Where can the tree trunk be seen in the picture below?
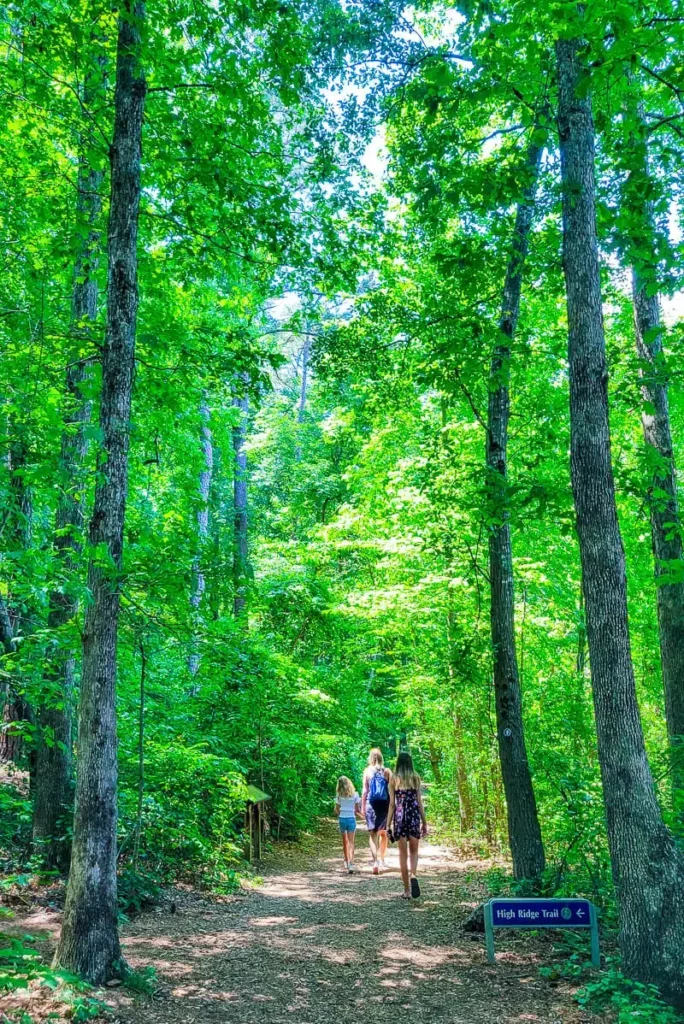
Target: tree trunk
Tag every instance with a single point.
(89, 943)
(198, 584)
(16, 709)
(524, 832)
(663, 504)
(465, 803)
(240, 540)
(6, 631)
(55, 720)
(483, 786)
(305, 379)
(647, 868)
(655, 418)
(141, 756)
(301, 408)
(433, 752)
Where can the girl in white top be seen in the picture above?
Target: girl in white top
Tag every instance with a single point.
(347, 806)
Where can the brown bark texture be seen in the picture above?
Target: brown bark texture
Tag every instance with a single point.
(524, 832)
(647, 867)
(15, 709)
(198, 582)
(655, 418)
(55, 719)
(89, 944)
(240, 538)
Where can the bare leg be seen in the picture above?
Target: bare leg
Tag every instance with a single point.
(403, 864)
(373, 845)
(383, 844)
(413, 848)
(352, 843)
(345, 846)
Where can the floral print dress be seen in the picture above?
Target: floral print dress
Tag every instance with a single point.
(407, 821)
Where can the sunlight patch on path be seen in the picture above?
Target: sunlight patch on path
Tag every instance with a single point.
(313, 944)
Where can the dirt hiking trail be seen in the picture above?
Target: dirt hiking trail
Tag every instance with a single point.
(313, 945)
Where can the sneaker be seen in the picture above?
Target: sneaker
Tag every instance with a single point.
(415, 888)
(350, 868)
(376, 868)
(383, 866)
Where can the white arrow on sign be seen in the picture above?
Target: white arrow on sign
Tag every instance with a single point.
(580, 913)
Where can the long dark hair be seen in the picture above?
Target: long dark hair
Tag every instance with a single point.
(404, 772)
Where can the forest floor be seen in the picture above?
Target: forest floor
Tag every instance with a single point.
(312, 944)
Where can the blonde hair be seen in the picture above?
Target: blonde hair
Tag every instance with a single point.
(375, 757)
(405, 776)
(345, 786)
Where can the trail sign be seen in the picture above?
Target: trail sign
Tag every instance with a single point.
(537, 913)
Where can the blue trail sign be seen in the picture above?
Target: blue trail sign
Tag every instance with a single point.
(533, 913)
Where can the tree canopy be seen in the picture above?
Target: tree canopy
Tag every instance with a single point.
(342, 406)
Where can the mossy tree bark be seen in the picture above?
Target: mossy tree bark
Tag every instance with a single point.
(647, 867)
(198, 581)
(55, 718)
(89, 944)
(524, 831)
(240, 525)
(643, 252)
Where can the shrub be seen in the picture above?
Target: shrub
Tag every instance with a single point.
(136, 891)
(191, 818)
(15, 827)
(635, 1002)
(21, 966)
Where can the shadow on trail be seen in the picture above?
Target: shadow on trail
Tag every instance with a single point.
(313, 945)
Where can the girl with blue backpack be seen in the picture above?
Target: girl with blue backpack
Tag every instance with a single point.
(375, 805)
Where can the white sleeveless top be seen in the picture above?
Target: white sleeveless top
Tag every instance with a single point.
(348, 805)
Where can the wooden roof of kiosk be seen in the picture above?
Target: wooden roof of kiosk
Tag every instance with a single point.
(256, 795)
(255, 798)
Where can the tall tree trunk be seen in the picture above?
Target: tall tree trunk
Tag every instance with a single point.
(524, 832)
(655, 418)
(647, 868)
(663, 504)
(433, 752)
(465, 803)
(141, 755)
(240, 539)
(483, 785)
(55, 719)
(16, 710)
(6, 631)
(301, 408)
(305, 379)
(89, 943)
(198, 584)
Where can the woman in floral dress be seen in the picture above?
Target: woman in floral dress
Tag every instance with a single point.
(406, 821)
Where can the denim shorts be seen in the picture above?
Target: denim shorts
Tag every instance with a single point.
(347, 824)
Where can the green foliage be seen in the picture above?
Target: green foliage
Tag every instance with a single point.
(631, 1001)
(21, 966)
(191, 815)
(359, 312)
(141, 982)
(136, 891)
(15, 828)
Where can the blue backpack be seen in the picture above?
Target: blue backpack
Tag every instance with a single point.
(378, 790)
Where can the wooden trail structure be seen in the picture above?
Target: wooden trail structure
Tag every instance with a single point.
(254, 821)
